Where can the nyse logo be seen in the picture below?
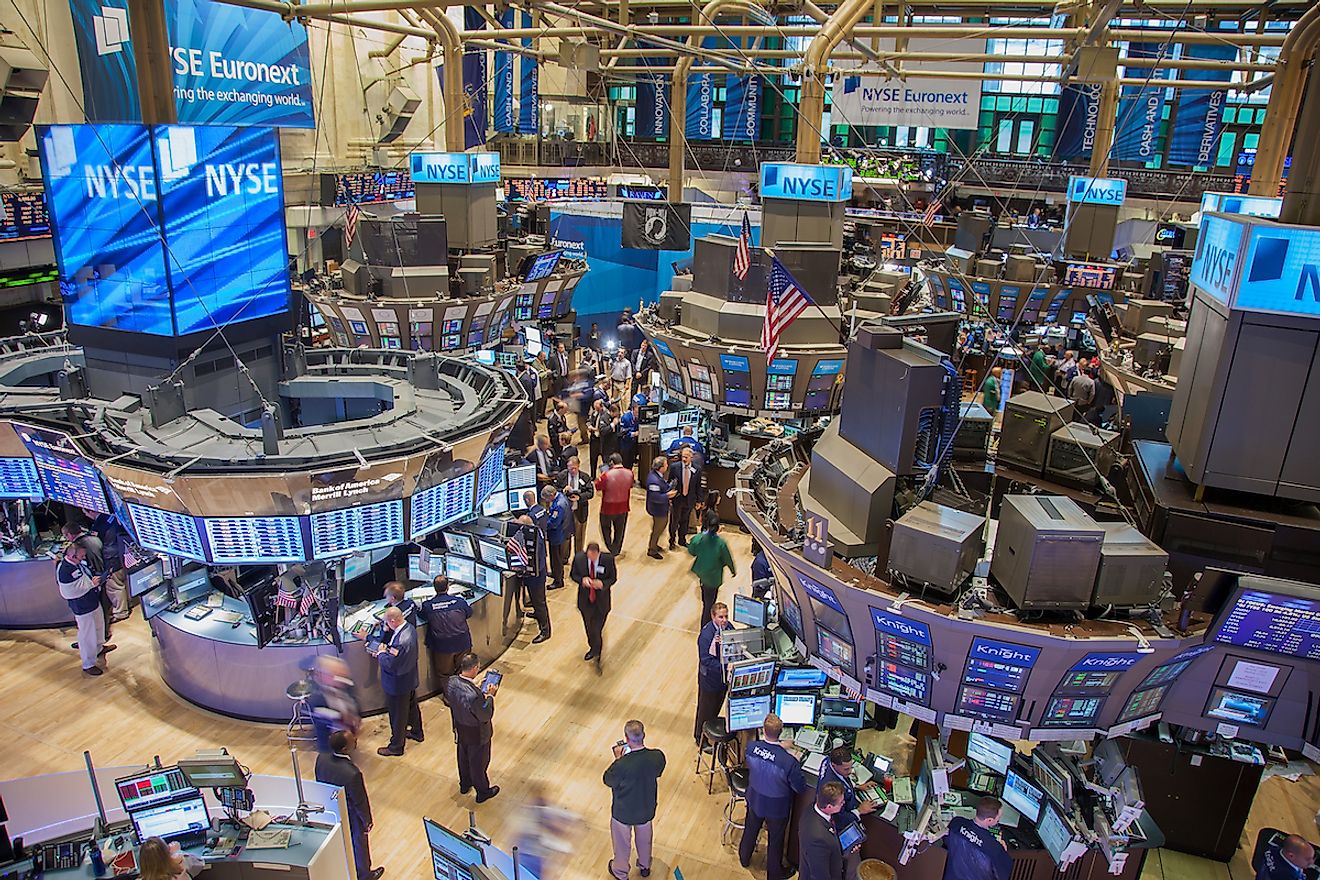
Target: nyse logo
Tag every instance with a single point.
(1219, 263)
(802, 184)
(111, 30)
(1268, 263)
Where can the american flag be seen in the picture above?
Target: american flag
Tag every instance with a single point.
(742, 258)
(518, 550)
(309, 598)
(350, 225)
(931, 211)
(787, 300)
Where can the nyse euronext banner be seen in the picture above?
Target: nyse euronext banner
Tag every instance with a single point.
(230, 65)
(866, 99)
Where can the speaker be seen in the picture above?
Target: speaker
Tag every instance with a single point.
(399, 109)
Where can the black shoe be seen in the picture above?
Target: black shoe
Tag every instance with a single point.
(541, 637)
(375, 874)
(672, 546)
(73, 645)
(465, 789)
(417, 737)
(94, 670)
(682, 542)
(646, 872)
(106, 649)
(482, 798)
(590, 655)
(387, 752)
(655, 554)
(788, 871)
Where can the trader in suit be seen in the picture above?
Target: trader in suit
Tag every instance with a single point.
(659, 497)
(448, 635)
(397, 656)
(774, 778)
(531, 384)
(533, 576)
(578, 489)
(472, 707)
(559, 370)
(336, 767)
(629, 426)
(819, 855)
(712, 677)
(1288, 858)
(544, 458)
(557, 426)
(685, 477)
(595, 573)
(838, 768)
(558, 531)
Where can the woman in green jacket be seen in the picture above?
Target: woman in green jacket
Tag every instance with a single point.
(711, 556)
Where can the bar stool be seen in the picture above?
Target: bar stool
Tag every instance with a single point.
(874, 869)
(301, 727)
(721, 742)
(737, 779)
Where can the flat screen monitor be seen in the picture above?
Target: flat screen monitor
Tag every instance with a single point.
(921, 788)
(1236, 707)
(146, 577)
(461, 570)
(522, 476)
(171, 821)
(213, 773)
(453, 846)
(490, 579)
(748, 611)
(1274, 621)
(1022, 795)
(152, 787)
(493, 553)
(989, 753)
(668, 421)
(542, 265)
(748, 713)
(415, 572)
(517, 503)
(738, 397)
(1053, 779)
(796, 710)
(734, 644)
(751, 675)
(191, 585)
(834, 649)
(486, 356)
(356, 566)
(496, 503)
(460, 543)
(842, 712)
(801, 679)
(1053, 833)
(155, 601)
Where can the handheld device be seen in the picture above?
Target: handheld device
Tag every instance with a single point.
(493, 678)
(852, 835)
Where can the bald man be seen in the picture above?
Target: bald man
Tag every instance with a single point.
(397, 656)
(1286, 859)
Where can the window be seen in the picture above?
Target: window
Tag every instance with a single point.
(1041, 77)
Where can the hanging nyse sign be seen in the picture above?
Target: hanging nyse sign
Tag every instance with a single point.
(237, 66)
(106, 60)
(1282, 273)
(1141, 109)
(865, 99)
(461, 168)
(1200, 112)
(1079, 116)
(657, 226)
(1096, 190)
(811, 183)
(1218, 244)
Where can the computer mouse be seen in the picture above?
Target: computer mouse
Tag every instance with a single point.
(211, 841)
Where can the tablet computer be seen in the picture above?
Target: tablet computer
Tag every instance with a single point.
(851, 835)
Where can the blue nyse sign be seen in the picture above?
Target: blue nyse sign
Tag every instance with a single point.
(813, 183)
(455, 167)
(1232, 203)
(1282, 271)
(1218, 247)
(1096, 190)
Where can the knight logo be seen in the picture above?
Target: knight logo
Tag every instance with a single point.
(655, 225)
(111, 30)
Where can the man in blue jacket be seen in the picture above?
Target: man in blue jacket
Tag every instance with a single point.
(558, 531)
(659, 493)
(774, 778)
(712, 677)
(838, 768)
(629, 423)
(974, 853)
(397, 657)
(447, 634)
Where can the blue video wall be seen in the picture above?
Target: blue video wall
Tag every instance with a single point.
(167, 230)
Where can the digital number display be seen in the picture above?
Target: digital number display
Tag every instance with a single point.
(167, 532)
(1090, 275)
(901, 640)
(834, 649)
(340, 532)
(254, 540)
(24, 216)
(901, 681)
(778, 400)
(545, 189)
(1164, 674)
(65, 475)
(366, 187)
(1273, 622)
(997, 675)
(490, 476)
(1072, 711)
(440, 505)
(18, 479)
(987, 704)
(1089, 680)
(1143, 703)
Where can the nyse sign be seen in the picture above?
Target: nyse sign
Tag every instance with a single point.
(1217, 249)
(1096, 190)
(1282, 271)
(455, 167)
(813, 183)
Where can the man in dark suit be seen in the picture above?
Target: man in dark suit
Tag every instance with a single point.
(544, 458)
(559, 369)
(578, 488)
(531, 384)
(595, 573)
(819, 855)
(336, 767)
(472, 708)
(556, 425)
(685, 477)
(397, 656)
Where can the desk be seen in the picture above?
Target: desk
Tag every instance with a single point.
(29, 598)
(219, 667)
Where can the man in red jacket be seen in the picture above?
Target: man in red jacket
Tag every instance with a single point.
(615, 487)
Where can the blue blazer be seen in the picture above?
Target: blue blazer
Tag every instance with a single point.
(559, 527)
(657, 494)
(398, 673)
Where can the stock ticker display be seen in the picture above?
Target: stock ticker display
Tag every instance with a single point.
(23, 216)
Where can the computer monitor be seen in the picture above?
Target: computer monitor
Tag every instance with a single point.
(493, 553)
(734, 644)
(176, 820)
(146, 576)
(748, 611)
(460, 543)
(796, 710)
(415, 572)
(748, 713)
(806, 678)
(1022, 795)
(1053, 779)
(921, 787)
(219, 772)
(461, 570)
(842, 712)
(356, 566)
(151, 787)
(155, 601)
(1053, 833)
(489, 579)
(191, 585)
(989, 753)
(751, 675)
(522, 476)
(497, 503)
(1236, 707)
(453, 846)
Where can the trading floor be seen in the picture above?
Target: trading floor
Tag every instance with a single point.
(554, 724)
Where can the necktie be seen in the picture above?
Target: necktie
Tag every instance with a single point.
(591, 596)
(685, 480)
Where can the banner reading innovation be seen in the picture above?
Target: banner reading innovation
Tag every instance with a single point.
(237, 66)
(914, 101)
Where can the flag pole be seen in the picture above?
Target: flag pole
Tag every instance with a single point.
(843, 336)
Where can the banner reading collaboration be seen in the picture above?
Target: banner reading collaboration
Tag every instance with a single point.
(189, 62)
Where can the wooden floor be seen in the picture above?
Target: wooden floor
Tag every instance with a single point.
(555, 722)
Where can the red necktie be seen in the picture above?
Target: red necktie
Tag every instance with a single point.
(591, 596)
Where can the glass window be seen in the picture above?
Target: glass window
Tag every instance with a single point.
(1004, 139)
(1025, 132)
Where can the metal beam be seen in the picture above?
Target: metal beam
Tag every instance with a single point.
(1285, 101)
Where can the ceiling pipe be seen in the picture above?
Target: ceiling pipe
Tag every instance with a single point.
(811, 105)
(451, 47)
(1285, 102)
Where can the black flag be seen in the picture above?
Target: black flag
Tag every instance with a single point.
(657, 226)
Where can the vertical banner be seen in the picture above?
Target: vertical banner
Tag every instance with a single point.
(1141, 108)
(1200, 112)
(652, 113)
(529, 97)
(474, 85)
(1079, 114)
(106, 60)
(742, 108)
(700, 122)
(504, 121)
